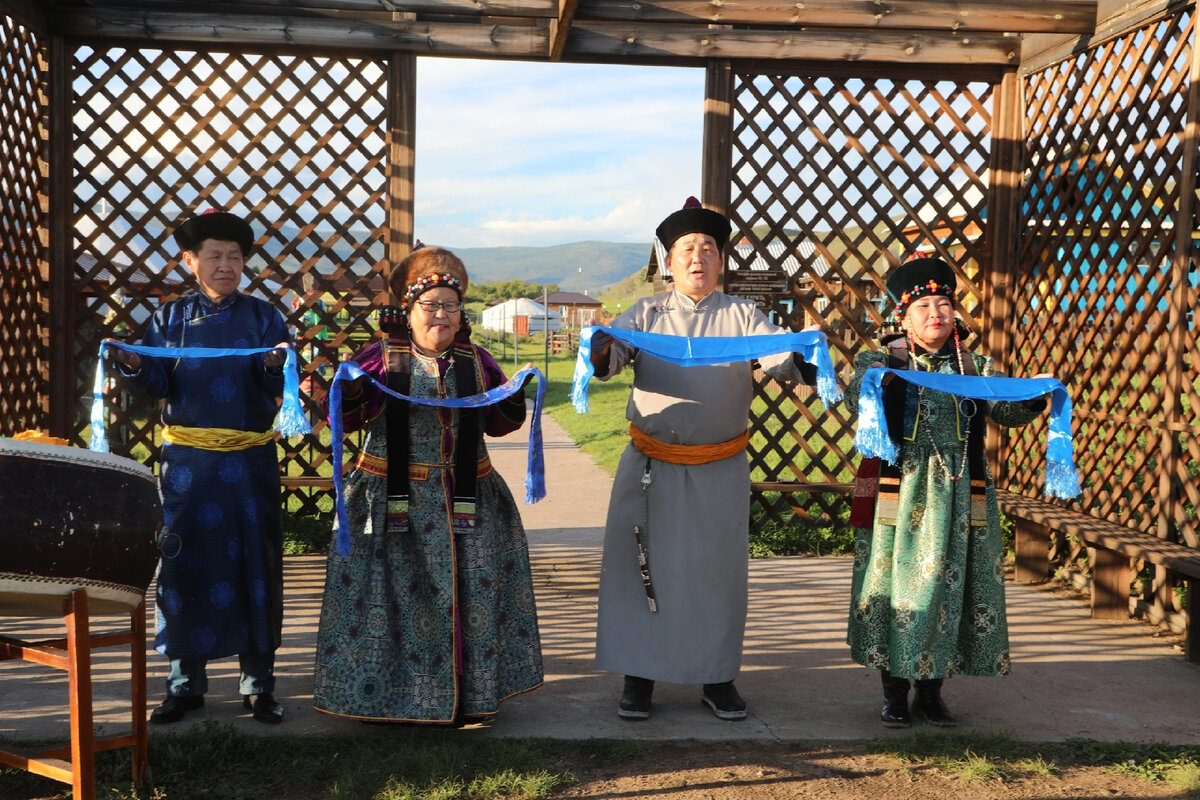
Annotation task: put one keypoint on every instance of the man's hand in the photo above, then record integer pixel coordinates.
(273, 359)
(601, 348)
(126, 359)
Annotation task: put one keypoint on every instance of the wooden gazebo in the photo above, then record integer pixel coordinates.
(868, 129)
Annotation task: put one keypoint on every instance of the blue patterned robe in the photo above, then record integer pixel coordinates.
(437, 622)
(220, 582)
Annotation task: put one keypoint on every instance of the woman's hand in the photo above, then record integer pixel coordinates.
(887, 376)
(530, 376)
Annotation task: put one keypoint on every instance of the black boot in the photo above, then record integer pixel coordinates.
(895, 701)
(929, 706)
(635, 700)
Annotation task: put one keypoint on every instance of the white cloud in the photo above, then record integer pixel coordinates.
(536, 154)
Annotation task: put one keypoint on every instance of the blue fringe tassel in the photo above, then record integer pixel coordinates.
(1062, 480)
(584, 371)
(99, 442)
(291, 420)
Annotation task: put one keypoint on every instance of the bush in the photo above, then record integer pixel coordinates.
(801, 537)
(303, 535)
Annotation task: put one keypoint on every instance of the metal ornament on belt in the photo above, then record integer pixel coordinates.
(639, 537)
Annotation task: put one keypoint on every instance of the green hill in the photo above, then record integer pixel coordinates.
(585, 267)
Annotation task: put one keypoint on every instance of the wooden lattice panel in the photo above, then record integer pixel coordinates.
(852, 176)
(1107, 295)
(23, 323)
(1100, 210)
(297, 145)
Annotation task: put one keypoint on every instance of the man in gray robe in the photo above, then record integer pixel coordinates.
(683, 482)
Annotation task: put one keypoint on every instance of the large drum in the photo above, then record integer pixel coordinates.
(69, 519)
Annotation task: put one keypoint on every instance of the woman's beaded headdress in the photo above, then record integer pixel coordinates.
(920, 277)
(427, 282)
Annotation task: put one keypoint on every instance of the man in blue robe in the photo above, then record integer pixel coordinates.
(220, 581)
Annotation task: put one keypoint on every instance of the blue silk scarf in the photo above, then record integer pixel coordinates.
(694, 351)
(290, 421)
(535, 475)
(872, 438)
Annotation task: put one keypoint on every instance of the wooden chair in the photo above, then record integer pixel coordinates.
(74, 763)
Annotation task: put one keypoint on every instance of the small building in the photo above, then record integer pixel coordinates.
(521, 315)
(575, 309)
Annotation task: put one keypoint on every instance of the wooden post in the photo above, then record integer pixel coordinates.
(402, 155)
(137, 693)
(1110, 584)
(79, 681)
(1191, 641)
(61, 298)
(716, 173)
(1032, 545)
(1003, 233)
(1170, 498)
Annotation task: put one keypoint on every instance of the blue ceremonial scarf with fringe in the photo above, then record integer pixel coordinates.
(535, 475)
(694, 351)
(873, 440)
(290, 421)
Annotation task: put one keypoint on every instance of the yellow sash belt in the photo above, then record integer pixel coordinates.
(215, 438)
(686, 453)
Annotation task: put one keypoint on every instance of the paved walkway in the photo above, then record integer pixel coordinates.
(1072, 676)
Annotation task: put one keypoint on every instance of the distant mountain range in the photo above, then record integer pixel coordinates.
(586, 267)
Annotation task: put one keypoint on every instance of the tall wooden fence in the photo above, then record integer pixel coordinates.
(1106, 291)
(1073, 233)
(856, 174)
(297, 145)
(24, 322)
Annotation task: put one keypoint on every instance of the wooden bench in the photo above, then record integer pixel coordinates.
(1115, 546)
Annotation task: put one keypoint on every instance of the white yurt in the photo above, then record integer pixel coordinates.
(500, 316)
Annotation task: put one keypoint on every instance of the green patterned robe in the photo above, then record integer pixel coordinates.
(927, 597)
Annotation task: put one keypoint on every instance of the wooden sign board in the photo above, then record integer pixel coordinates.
(761, 286)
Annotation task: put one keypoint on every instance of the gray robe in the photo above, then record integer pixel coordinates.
(698, 515)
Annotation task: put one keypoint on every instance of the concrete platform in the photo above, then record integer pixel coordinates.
(1072, 676)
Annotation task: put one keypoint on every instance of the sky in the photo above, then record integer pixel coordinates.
(535, 154)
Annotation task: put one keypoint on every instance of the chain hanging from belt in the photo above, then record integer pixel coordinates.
(639, 535)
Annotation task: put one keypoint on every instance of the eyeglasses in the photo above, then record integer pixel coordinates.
(430, 307)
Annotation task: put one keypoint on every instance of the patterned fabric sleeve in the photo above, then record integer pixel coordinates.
(362, 407)
(509, 414)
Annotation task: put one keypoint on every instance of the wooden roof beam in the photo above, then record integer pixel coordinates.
(160, 28)
(589, 41)
(1015, 16)
(561, 28)
(547, 9)
(600, 40)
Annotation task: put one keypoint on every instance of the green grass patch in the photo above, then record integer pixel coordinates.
(215, 761)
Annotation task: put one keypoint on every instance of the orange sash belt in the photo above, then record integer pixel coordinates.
(375, 465)
(687, 453)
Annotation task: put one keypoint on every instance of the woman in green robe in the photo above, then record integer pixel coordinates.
(927, 597)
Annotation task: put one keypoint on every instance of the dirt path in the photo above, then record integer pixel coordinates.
(758, 771)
